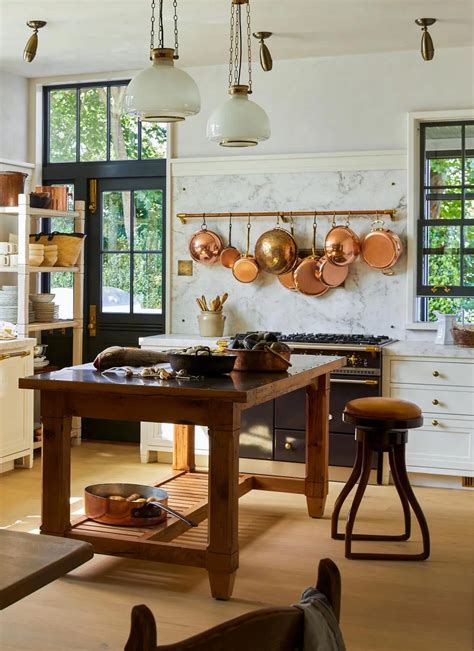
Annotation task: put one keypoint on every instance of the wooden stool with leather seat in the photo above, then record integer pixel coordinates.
(381, 425)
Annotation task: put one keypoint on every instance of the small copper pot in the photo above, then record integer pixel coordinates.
(381, 248)
(288, 279)
(205, 245)
(229, 254)
(330, 274)
(246, 268)
(305, 277)
(342, 246)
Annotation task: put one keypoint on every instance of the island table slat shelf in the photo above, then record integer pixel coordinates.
(213, 496)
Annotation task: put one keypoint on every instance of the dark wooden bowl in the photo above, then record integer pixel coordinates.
(40, 199)
(261, 361)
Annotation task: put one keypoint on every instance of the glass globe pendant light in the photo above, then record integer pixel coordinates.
(161, 92)
(239, 122)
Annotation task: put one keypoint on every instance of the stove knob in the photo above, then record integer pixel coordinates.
(352, 360)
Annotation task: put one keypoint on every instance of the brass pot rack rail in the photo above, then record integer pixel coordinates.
(286, 215)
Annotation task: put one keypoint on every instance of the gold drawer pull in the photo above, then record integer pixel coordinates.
(435, 423)
(435, 402)
(435, 373)
(23, 353)
(288, 446)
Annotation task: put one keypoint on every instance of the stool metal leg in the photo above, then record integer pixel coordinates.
(363, 481)
(403, 498)
(351, 482)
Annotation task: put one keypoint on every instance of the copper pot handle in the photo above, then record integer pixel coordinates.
(249, 226)
(138, 513)
(315, 226)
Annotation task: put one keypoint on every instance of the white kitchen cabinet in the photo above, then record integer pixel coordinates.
(440, 379)
(16, 405)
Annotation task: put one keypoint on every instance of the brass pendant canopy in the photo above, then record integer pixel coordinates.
(31, 46)
(427, 47)
(266, 60)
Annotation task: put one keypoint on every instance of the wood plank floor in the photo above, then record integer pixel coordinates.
(385, 606)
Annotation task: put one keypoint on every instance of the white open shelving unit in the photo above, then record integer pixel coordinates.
(29, 223)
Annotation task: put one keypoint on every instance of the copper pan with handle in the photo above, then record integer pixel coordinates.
(381, 248)
(342, 246)
(246, 268)
(230, 253)
(305, 277)
(205, 245)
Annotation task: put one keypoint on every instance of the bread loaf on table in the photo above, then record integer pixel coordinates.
(134, 357)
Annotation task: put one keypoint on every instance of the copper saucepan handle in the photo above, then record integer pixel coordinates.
(137, 513)
(274, 352)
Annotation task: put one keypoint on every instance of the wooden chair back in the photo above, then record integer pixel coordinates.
(267, 629)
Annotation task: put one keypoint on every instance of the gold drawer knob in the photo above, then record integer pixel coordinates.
(330, 417)
(435, 373)
(435, 402)
(435, 423)
(288, 446)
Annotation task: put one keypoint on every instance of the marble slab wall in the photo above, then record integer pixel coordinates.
(368, 303)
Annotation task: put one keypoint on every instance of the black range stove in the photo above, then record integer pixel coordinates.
(285, 423)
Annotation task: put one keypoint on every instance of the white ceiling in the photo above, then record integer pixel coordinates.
(86, 36)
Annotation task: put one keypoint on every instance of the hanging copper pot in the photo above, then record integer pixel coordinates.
(276, 251)
(342, 246)
(331, 274)
(305, 278)
(288, 279)
(205, 245)
(381, 248)
(246, 268)
(229, 254)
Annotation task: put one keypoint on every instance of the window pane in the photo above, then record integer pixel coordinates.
(445, 171)
(116, 282)
(153, 140)
(451, 306)
(148, 220)
(441, 208)
(93, 119)
(469, 144)
(62, 126)
(61, 286)
(447, 137)
(116, 221)
(468, 262)
(123, 127)
(147, 283)
(441, 259)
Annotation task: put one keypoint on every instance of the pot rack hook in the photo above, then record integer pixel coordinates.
(292, 223)
(204, 225)
(334, 223)
(348, 220)
(248, 221)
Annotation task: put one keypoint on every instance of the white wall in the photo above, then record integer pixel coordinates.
(13, 117)
(347, 103)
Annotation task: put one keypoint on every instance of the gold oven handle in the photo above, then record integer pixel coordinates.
(23, 353)
(372, 383)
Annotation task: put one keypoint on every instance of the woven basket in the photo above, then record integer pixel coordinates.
(69, 246)
(463, 335)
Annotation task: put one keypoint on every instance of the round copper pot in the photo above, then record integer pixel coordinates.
(276, 251)
(342, 246)
(246, 268)
(229, 254)
(330, 274)
(99, 506)
(381, 248)
(205, 246)
(288, 279)
(306, 281)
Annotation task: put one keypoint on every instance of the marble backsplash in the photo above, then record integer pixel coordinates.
(368, 303)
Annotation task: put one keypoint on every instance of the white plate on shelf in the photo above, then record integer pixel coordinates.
(42, 364)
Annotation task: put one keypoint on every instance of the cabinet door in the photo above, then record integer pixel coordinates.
(16, 433)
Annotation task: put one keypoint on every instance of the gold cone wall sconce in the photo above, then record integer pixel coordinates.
(31, 46)
(427, 47)
(266, 60)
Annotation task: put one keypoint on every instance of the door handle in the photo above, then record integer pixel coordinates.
(372, 383)
(92, 325)
(23, 353)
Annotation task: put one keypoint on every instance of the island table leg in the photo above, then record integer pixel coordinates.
(183, 448)
(55, 465)
(223, 546)
(317, 445)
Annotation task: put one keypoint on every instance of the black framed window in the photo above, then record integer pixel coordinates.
(445, 238)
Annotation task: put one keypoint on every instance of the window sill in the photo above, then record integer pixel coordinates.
(421, 325)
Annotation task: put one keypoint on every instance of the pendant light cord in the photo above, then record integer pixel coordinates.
(161, 42)
(240, 43)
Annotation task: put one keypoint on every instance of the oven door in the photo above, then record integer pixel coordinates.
(346, 388)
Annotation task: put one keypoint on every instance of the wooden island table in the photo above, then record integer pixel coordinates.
(213, 402)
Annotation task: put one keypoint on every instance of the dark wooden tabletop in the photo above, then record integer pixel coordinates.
(237, 387)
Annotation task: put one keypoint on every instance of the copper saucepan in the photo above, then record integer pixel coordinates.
(305, 277)
(205, 245)
(381, 248)
(229, 254)
(328, 273)
(246, 268)
(276, 251)
(342, 246)
(153, 511)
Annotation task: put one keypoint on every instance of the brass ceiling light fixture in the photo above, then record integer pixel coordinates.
(427, 47)
(31, 46)
(266, 60)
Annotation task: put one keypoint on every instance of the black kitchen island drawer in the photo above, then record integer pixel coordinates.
(289, 445)
(256, 432)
